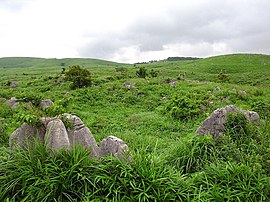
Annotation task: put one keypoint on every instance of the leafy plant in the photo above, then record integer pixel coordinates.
(184, 107)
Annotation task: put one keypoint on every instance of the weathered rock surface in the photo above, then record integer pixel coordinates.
(214, 124)
(12, 102)
(13, 84)
(81, 135)
(56, 135)
(129, 84)
(113, 146)
(25, 136)
(45, 103)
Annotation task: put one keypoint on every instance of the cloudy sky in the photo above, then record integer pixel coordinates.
(133, 30)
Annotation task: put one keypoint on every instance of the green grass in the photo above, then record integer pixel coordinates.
(158, 122)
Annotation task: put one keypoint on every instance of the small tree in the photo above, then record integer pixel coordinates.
(142, 72)
(78, 76)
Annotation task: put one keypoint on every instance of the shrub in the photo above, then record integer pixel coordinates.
(223, 77)
(153, 73)
(78, 76)
(141, 72)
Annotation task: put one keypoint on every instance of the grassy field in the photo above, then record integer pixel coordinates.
(157, 121)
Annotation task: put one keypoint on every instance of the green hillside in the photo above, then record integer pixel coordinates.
(157, 116)
(250, 69)
(23, 62)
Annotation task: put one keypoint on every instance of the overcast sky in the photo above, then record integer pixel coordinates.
(133, 30)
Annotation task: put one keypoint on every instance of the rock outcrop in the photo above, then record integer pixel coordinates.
(13, 84)
(45, 103)
(12, 102)
(113, 146)
(214, 124)
(129, 85)
(56, 135)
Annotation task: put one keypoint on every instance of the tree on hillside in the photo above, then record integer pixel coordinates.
(78, 76)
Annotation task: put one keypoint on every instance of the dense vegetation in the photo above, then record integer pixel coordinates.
(157, 120)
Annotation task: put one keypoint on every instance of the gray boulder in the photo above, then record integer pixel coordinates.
(216, 89)
(129, 85)
(26, 136)
(113, 146)
(214, 124)
(172, 82)
(56, 136)
(12, 102)
(79, 134)
(45, 103)
(13, 84)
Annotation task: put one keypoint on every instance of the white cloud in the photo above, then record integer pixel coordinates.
(131, 31)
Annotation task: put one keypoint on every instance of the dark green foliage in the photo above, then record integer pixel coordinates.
(181, 58)
(141, 72)
(153, 73)
(78, 76)
(222, 77)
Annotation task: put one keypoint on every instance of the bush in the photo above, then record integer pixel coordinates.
(153, 73)
(223, 77)
(79, 77)
(141, 72)
(185, 107)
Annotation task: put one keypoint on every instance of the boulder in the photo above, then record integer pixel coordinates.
(172, 82)
(216, 89)
(56, 136)
(13, 84)
(12, 102)
(26, 136)
(113, 146)
(79, 134)
(129, 84)
(214, 124)
(241, 92)
(45, 103)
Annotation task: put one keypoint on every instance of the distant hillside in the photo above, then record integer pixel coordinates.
(22, 62)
